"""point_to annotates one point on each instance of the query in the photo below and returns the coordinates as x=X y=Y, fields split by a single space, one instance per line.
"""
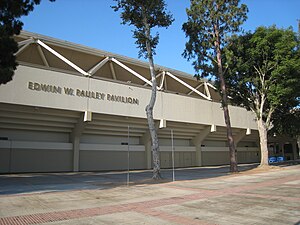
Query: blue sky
x=94 y=24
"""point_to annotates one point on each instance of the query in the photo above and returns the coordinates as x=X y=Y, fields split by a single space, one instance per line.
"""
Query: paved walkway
x=198 y=196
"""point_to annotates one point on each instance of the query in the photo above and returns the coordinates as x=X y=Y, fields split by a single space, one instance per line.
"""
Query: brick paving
x=189 y=193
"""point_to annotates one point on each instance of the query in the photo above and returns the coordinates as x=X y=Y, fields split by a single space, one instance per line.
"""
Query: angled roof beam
x=157 y=76
x=62 y=57
x=188 y=86
x=30 y=40
x=165 y=84
x=162 y=80
x=25 y=44
x=210 y=85
x=131 y=71
x=198 y=86
x=112 y=69
x=93 y=70
x=207 y=90
x=45 y=61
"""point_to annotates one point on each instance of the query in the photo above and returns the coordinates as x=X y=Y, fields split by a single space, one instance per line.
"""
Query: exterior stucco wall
x=168 y=106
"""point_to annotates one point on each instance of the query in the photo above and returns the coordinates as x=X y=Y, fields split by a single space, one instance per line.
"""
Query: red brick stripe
x=145 y=207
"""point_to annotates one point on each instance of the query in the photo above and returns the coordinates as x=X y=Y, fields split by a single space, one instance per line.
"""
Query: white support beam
x=162 y=123
x=157 y=76
x=93 y=70
x=165 y=84
x=131 y=71
x=62 y=57
x=30 y=40
x=210 y=85
x=207 y=90
x=162 y=80
x=198 y=86
x=112 y=69
x=45 y=61
x=187 y=85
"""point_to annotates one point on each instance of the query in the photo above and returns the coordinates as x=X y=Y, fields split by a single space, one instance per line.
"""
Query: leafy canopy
x=10 y=24
x=209 y=21
x=144 y=15
x=264 y=70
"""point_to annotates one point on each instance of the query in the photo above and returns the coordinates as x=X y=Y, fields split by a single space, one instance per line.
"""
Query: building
x=74 y=108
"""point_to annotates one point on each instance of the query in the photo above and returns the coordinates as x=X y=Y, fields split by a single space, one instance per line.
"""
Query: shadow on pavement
x=12 y=184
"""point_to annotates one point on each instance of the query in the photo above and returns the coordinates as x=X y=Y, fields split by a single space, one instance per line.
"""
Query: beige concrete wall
x=35 y=160
x=110 y=160
x=169 y=106
x=117 y=140
x=35 y=136
x=24 y=156
x=4 y=159
x=220 y=155
x=95 y=157
x=181 y=159
x=215 y=158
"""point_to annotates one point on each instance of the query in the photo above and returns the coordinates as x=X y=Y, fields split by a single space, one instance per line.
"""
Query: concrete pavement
x=206 y=195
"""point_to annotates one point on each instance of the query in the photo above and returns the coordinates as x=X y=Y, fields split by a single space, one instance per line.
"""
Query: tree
x=208 y=23
x=10 y=24
x=286 y=121
x=263 y=75
x=144 y=15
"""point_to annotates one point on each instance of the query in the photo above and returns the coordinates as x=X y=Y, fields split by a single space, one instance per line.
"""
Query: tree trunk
x=151 y=124
x=298 y=141
x=231 y=145
x=262 y=129
x=149 y=112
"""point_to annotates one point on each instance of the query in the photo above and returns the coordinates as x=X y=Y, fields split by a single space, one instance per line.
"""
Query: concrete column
x=198 y=140
x=239 y=137
x=198 y=155
x=76 y=148
x=148 y=155
x=75 y=139
x=146 y=141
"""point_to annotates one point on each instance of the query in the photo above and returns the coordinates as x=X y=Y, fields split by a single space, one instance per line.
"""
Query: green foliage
x=263 y=70
x=144 y=15
x=286 y=121
x=209 y=21
x=10 y=24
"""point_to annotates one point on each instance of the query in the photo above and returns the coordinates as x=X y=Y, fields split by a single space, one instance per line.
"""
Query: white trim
x=36 y=145
x=177 y=148
x=225 y=149
x=107 y=147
